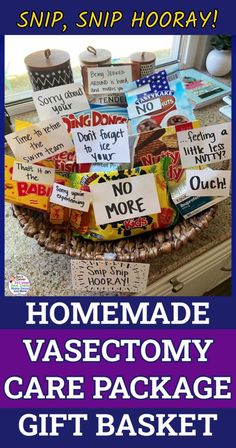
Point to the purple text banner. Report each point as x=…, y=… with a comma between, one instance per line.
x=115, y=369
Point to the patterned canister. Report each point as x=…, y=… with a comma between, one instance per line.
x=146, y=60
x=49, y=68
x=95, y=57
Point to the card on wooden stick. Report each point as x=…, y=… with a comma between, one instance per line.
x=208, y=182
x=33, y=173
x=70, y=197
x=126, y=198
x=40, y=141
x=61, y=100
x=102, y=144
x=109, y=276
x=208, y=144
x=109, y=80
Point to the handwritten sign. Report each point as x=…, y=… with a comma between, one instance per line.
x=110, y=276
x=102, y=144
x=40, y=141
x=209, y=144
x=32, y=173
x=61, y=100
x=70, y=197
x=208, y=182
x=122, y=199
x=108, y=79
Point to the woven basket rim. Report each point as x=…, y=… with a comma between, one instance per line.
x=136, y=248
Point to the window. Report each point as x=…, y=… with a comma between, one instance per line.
x=17, y=85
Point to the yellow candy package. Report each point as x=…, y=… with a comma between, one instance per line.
x=133, y=226
x=28, y=194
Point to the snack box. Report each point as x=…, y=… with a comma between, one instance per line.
x=26, y=193
x=175, y=107
x=112, y=99
x=189, y=206
x=96, y=116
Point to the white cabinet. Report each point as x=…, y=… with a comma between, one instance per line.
x=198, y=276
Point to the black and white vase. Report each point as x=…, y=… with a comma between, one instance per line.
x=49, y=69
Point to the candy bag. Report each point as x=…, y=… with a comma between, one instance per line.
x=134, y=226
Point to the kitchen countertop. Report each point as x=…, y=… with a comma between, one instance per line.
x=49, y=273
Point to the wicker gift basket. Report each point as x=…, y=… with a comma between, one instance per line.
x=36, y=224
x=139, y=248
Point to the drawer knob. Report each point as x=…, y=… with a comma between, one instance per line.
x=226, y=269
x=177, y=285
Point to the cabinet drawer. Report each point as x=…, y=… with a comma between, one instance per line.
x=198, y=276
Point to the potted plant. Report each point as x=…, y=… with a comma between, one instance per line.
x=218, y=61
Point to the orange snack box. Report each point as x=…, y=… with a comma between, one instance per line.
x=26, y=193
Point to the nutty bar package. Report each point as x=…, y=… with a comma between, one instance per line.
x=150, y=147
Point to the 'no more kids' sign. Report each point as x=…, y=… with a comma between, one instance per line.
x=124, y=199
